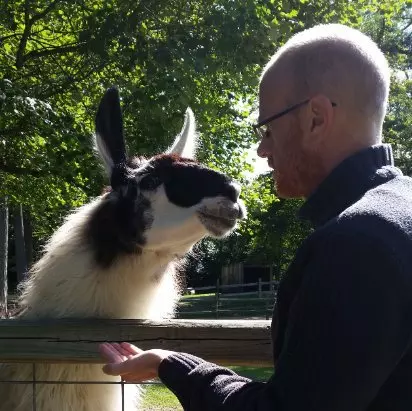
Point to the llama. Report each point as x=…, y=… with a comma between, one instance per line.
x=117, y=257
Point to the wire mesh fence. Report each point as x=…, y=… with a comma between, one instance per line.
x=34, y=382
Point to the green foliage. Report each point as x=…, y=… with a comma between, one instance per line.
x=272, y=232
x=57, y=57
x=391, y=28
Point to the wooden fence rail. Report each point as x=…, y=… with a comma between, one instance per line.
x=226, y=342
x=218, y=286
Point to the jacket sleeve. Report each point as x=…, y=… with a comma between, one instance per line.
x=348, y=328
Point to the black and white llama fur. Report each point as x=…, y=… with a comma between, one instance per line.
x=116, y=256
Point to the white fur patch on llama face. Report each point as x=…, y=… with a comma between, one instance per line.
x=173, y=228
x=178, y=228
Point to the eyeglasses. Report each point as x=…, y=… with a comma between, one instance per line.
x=261, y=128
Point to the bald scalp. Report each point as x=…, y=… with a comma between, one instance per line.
x=339, y=62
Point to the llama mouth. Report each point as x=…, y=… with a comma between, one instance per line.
x=217, y=225
x=229, y=221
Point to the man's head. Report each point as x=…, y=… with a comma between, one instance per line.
x=342, y=80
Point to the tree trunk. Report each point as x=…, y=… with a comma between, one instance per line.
x=21, y=264
x=4, y=237
x=28, y=238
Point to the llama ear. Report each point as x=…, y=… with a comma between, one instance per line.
x=109, y=139
x=185, y=143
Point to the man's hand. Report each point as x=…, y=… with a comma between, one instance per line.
x=130, y=362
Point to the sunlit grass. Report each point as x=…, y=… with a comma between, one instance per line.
x=159, y=398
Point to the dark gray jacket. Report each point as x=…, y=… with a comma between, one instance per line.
x=342, y=327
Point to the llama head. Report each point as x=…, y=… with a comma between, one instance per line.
x=165, y=203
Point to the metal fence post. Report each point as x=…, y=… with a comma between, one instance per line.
x=34, y=387
x=271, y=285
x=217, y=298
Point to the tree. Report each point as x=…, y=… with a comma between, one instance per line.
x=4, y=217
x=273, y=231
x=391, y=27
x=57, y=57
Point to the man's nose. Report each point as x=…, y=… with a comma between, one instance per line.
x=262, y=150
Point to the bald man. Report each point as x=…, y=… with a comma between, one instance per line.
x=342, y=327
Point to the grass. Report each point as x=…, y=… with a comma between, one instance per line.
x=159, y=398
x=190, y=296
x=233, y=306
x=254, y=373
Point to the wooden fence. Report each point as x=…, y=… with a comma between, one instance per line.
x=226, y=342
x=257, y=286
x=222, y=303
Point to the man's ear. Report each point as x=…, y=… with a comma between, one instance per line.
x=318, y=117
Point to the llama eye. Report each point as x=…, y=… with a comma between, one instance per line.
x=150, y=183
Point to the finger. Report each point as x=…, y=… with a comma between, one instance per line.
x=105, y=351
x=137, y=377
x=124, y=353
x=132, y=378
x=113, y=351
x=131, y=349
x=115, y=347
x=122, y=368
x=109, y=353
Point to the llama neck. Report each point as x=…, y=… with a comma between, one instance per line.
x=70, y=284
